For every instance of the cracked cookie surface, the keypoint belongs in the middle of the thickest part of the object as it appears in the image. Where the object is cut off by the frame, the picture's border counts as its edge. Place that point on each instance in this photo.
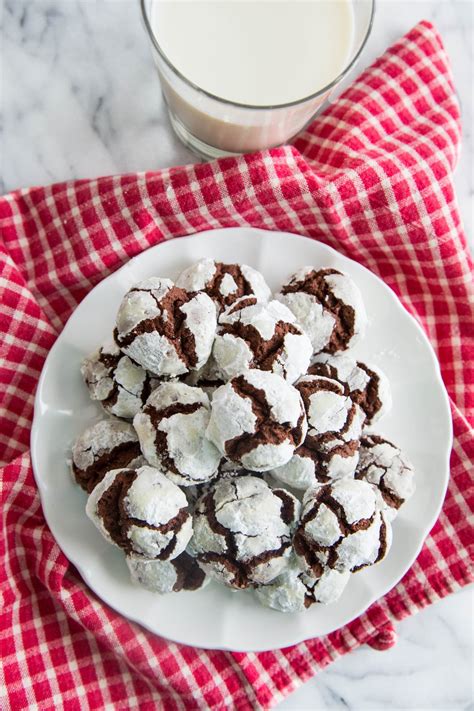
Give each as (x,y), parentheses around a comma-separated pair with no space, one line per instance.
(366,384)
(328,306)
(242,531)
(171,429)
(343,526)
(227,470)
(120,385)
(331,447)
(257,420)
(141,511)
(165,329)
(165,576)
(224,283)
(295,590)
(109,444)
(382,463)
(263,336)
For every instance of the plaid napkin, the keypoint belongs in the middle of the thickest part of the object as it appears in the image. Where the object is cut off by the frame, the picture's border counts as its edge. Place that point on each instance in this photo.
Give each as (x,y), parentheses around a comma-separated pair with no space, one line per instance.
(371,177)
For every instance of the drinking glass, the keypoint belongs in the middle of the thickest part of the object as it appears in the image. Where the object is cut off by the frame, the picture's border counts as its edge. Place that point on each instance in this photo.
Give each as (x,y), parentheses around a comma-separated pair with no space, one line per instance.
(212,126)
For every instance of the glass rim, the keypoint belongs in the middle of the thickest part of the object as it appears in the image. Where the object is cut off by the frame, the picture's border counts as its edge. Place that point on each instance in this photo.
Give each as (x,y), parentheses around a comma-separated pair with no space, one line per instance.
(254,107)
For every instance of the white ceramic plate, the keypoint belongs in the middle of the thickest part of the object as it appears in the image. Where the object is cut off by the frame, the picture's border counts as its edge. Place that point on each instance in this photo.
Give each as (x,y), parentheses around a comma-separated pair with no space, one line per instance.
(216,617)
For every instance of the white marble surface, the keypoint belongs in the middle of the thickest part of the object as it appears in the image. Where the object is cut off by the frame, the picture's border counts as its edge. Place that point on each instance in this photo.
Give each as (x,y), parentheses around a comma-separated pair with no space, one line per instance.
(429,669)
(79,97)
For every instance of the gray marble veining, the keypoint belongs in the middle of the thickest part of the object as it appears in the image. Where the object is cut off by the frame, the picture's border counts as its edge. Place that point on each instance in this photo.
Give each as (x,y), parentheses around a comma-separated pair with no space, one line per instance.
(79,98)
(429,669)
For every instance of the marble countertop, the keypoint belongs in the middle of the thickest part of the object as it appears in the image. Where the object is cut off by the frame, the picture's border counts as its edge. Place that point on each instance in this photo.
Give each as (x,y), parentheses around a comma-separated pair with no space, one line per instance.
(79,98)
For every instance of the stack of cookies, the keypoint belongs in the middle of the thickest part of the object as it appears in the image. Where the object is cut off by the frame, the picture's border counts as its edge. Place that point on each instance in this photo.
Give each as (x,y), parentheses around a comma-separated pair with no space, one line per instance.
(238,444)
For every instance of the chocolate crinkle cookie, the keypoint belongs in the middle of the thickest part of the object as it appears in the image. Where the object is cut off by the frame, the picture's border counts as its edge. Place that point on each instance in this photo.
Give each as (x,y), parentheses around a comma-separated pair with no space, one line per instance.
(109,444)
(224,283)
(141,511)
(171,429)
(367,385)
(264,336)
(242,531)
(257,420)
(331,447)
(165,576)
(329,307)
(165,329)
(295,589)
(120,385)
(382,463)
(343,526)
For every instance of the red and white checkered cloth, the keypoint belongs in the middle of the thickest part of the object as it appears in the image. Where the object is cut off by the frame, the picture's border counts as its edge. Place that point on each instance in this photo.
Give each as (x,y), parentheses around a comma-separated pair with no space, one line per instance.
(371,177)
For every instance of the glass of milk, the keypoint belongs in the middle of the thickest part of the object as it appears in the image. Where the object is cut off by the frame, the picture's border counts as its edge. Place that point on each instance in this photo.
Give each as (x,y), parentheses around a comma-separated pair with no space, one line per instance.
(244,75)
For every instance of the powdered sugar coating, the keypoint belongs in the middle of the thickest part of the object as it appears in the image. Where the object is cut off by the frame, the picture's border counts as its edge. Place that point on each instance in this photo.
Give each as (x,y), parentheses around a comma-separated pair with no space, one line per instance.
(102,446)
(328,306)
(298,472)
(142,302)
(171,430)
(340,367)
(100,438)
(198,275)
(330,450)
(165,576)
(343,526)
(156,353)
(233,355)
(317,323)
(201,322)
(367,385)
(167,330)
(226,471)
(266,427)
(257,420)
(155,575)
(328,409)
(224,282)
(153,498)
(242,531)
(319,460)
(142,512)
(295,590)
(119,384)
(260,335)
(259,286)
(231,417)
(381,463)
